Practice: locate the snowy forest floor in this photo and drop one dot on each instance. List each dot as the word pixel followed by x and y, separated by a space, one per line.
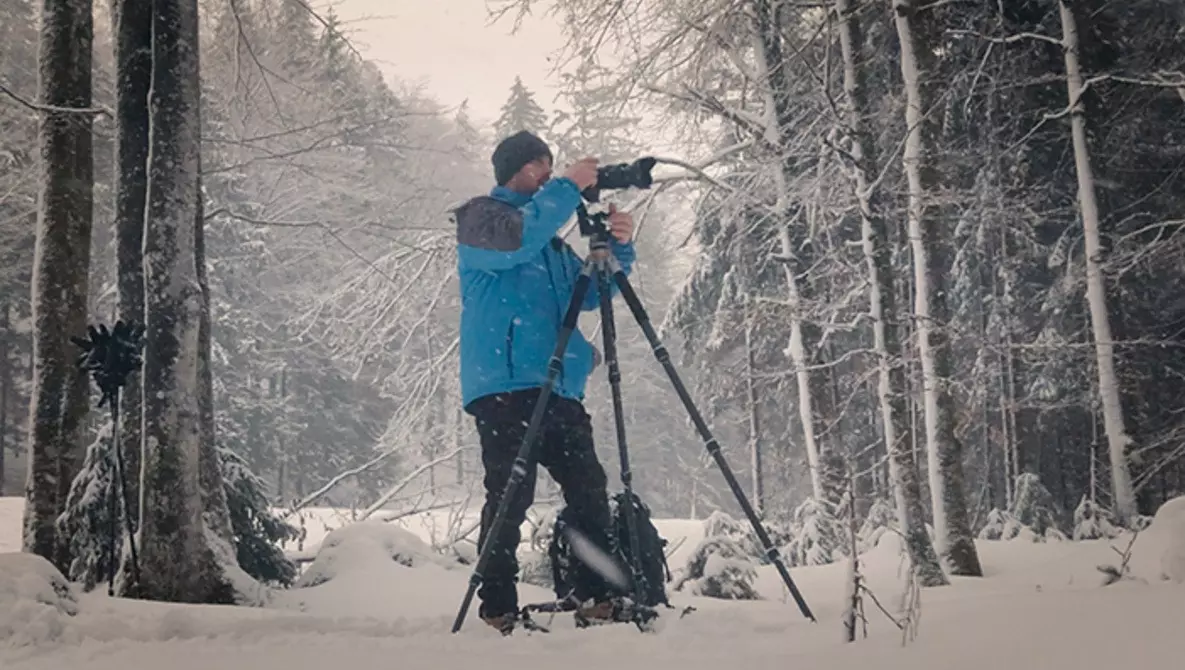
pixel 1039 605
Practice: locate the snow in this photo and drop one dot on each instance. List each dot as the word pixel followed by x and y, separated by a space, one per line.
pixel 384 599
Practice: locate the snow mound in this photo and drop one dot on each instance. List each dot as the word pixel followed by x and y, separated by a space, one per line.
pixel 1169 524
pixel 367 547
pixel 36 601
pixel 377 570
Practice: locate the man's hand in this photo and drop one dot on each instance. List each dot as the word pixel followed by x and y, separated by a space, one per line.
pixel 583 172
pixel 621 224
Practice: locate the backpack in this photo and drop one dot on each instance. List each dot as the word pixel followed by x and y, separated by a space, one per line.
pixel 654 571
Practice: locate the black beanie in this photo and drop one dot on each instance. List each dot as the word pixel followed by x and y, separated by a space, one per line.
pixel 516 151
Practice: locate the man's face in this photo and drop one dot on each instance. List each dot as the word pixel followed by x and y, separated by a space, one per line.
pixel 532 177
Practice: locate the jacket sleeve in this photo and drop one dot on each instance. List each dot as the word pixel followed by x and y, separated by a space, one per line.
pixel 494 236
pixel 625 255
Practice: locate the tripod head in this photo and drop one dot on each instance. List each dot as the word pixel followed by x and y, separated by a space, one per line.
pixel 594 227
pixel 110 356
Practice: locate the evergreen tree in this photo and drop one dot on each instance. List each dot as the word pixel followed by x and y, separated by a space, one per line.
pixel 520 112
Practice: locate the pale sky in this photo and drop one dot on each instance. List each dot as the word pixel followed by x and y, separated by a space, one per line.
pixel 449 46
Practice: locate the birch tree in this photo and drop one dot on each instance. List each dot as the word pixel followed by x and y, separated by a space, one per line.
pixel 882 295
pixel 180 557
pixel 60 267
pixel 1118 439
pixel 952 530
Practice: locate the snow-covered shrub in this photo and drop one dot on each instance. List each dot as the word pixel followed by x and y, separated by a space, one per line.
pixel 719 568
pixel 1092 522
pixel 881 518
pixel 361 547
pixel 1033 516
pixel 719 524
pixel 999 525
pixel 1035 507
pixel 258 532
pixel 818 535
pixel 86 521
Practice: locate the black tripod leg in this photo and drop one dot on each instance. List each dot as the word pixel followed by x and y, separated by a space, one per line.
pixel 522 460
pixel 113 520
pixel 713 447
pixel 609 332
pixel 123 485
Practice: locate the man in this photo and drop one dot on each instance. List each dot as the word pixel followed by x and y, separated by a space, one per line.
pixel 517 278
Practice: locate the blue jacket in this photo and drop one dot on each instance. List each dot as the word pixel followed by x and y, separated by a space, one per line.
pixel 517 279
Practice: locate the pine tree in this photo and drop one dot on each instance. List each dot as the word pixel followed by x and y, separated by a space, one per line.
pixel 520 112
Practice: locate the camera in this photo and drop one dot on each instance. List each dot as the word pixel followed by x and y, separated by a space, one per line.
pixel 621 175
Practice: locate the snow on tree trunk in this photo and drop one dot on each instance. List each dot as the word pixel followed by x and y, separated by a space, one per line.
pixel 1118 439
pixel 177 560
pixel 214 506
pixel 132 29
pixel 60 272
pixel 952 528
pixel 882 295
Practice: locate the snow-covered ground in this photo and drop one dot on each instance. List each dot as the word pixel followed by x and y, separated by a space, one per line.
pixel 384 602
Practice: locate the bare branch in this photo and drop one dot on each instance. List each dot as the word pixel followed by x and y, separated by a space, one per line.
pixel 38 107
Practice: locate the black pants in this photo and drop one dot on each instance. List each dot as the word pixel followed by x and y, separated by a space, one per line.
pixel 565 448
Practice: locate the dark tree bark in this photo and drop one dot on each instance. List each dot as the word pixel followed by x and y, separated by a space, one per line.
pixel 178 561
pixel 132 27
pixel 883 305
pixel 952 525
pixel 60 271
pixel 217 514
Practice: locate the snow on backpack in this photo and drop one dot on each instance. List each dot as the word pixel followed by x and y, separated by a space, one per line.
pixel 651 545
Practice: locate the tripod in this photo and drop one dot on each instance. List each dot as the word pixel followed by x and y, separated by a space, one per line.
pixel 608 272
pixel 110 356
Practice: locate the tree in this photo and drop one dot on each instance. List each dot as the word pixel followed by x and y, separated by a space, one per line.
pixel 1118 439
pixel 882 295
pixel 18 216
pixel 952 526
pixel 132 28
pixel 60 270
pixel 181 559
pixel 520 112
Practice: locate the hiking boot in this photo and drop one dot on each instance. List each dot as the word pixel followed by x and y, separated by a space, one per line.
pixel 503 623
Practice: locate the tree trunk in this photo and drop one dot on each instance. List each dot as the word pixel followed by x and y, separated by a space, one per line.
pixel 217 514
pixel 952 527
pixel 4 377
pixel 60 272
pixel 132 28
pixel 1118 439
pixel 177 561
pixel 754 417
pixel 882 294
pixel 771 68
